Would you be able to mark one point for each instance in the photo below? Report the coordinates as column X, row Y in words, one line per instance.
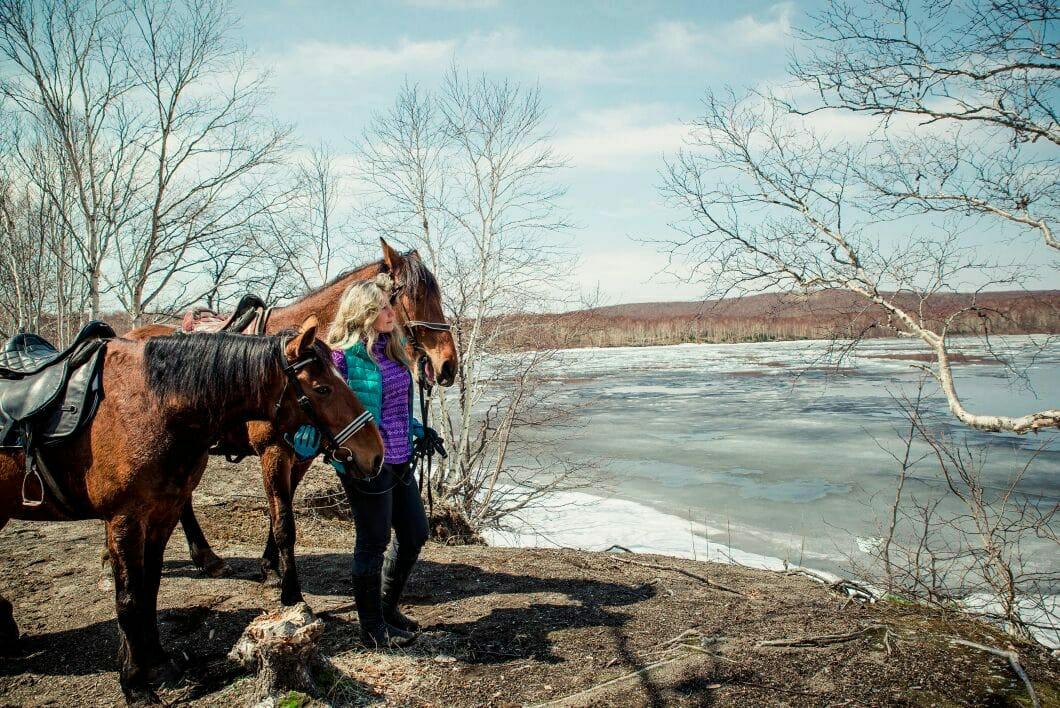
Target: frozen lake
column 758, row 450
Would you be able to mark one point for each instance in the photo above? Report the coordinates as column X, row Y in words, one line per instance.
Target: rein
column 426, row 453
column 332, row 444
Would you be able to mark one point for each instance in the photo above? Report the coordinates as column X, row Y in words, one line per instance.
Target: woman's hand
column 306, row 442
column 429, row 440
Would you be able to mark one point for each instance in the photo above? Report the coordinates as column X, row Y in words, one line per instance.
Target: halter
column 332, row 443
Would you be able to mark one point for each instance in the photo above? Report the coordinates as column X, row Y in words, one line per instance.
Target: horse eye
column 322, row 390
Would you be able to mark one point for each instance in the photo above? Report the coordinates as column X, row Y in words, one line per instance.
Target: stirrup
column 31, row 470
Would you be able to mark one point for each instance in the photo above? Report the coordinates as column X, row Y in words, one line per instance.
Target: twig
column 1013, row 660
column 820, row 640
column 848, row 587
column 599, row 686
column 681, row 571
column 679, row 637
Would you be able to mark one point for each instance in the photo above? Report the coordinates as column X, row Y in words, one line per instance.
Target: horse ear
column 306, row 337
column 391, row 257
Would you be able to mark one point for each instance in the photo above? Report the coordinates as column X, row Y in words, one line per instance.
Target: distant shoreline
column 775, row 318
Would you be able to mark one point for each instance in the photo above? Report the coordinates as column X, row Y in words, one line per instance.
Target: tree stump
column 280, row 646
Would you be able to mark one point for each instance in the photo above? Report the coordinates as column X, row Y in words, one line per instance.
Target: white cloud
column 750, row 30
column 315, row 59
column 634, row 273
column 675, row 44
column 621, row 137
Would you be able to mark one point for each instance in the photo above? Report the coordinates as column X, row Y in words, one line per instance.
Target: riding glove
column 306, row 442
column 429, row 441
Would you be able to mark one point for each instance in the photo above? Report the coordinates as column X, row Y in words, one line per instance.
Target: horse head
column 319, row 397
column 419, row 304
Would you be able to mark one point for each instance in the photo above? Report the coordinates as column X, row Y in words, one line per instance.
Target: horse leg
column 137, row 652
column 276, row 471
column 202, row 555
column 8, row 628
column 270, row 557
column 154, row 551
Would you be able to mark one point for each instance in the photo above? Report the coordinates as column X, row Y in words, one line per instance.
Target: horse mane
column 212, row 370
column 416, row 276
column 419, row 277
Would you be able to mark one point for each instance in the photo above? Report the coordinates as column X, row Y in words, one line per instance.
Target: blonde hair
column 359, row 307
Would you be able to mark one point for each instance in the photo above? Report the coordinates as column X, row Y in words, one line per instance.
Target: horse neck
column 322, row 303
column 239, row 410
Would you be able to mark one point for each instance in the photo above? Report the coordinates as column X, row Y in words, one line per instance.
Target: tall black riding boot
column 396, row 571
column 375, row 632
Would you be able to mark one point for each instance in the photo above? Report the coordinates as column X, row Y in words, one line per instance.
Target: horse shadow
column 197, row 637
column 482, row 632
column 476, row 615
column 192, row 635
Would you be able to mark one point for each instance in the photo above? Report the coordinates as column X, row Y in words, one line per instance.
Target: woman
column 367, row 342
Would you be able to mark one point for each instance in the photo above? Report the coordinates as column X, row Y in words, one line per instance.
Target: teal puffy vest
column 365, row 379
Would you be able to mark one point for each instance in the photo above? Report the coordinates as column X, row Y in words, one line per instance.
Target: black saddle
column 48, row 395
column 28, row 353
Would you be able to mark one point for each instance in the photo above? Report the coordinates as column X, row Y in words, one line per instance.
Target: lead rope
column 426, row 457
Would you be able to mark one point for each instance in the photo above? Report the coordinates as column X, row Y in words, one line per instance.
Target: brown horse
column 167, row 401
column 419, row 303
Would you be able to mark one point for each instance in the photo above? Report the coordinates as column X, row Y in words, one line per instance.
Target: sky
column 621, row 81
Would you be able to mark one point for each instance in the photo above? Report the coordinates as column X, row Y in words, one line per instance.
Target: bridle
column 411, row 324
column 424, row 386
column 332, row 444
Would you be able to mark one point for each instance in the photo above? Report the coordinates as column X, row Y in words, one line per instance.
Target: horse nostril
column 447, row 374
column 377, row 463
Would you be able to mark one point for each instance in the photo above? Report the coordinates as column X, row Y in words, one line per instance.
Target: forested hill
column 770, row 317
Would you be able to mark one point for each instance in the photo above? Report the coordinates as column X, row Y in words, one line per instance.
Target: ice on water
column 763, row 452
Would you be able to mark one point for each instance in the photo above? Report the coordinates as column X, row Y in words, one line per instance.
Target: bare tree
column 38, row 290
column 772, row 203
column 73, row 138
column 993, row 64
column 961, row 541
column 139, row 121
column 209, row 156
column 311, row 230
column 466, row 175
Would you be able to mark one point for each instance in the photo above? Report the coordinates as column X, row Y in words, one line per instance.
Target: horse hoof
column 215, row 567
column 165, row 675
column 136, row 697
column 270, row 577
column 8, row 628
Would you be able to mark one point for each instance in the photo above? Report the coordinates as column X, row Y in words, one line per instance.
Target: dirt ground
column 502, row 626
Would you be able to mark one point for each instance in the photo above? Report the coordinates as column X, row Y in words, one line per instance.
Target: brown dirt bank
column 503, row 626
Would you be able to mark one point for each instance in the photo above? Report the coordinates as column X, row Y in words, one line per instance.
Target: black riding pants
column 391, row 500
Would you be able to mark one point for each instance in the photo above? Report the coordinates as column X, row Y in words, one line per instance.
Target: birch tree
column 964, row 139
column 466, row 175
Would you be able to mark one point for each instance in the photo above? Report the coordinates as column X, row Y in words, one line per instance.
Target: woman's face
column 385, row 320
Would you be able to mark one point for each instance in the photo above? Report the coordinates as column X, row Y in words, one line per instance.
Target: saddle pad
column 202, row 320
column 29, row 354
